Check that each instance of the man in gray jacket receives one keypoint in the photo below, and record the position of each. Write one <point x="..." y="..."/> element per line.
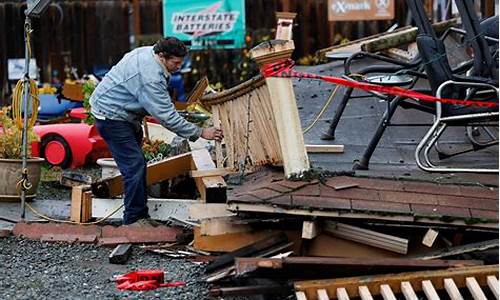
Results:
<point x="133" y="88"/>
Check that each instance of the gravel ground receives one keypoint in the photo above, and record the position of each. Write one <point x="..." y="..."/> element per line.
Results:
<point x="35" y="270"/>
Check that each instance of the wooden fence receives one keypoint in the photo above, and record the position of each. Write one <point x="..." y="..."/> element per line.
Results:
<point x="87" y="34"/>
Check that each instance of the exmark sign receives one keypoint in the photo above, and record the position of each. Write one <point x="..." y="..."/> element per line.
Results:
<point x="203" y="24"/>
<point x="360" y="10"/>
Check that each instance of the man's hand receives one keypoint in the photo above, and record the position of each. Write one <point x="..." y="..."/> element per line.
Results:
<point x="212" y="133"/>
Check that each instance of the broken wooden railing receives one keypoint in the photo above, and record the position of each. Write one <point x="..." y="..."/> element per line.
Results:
<point x="408" y="284"/>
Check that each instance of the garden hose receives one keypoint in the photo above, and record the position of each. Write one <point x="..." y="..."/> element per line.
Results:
<point x="18" y="93"/>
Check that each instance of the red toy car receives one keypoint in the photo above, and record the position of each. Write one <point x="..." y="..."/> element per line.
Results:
<point x="69" y="145"/>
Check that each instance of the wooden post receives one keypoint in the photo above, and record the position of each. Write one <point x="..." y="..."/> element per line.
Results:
<point x="286" y="115"/>
<point x="81" y="204"/>
<point x="284" y="30"/>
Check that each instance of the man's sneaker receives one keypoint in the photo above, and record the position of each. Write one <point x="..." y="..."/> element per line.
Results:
<point x="140" y="223"/>
<point x="153" y="222"/>
<point x="146" y="222"/>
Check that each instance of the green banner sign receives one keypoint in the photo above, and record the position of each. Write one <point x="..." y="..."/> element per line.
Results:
<point x="203" y="24"/>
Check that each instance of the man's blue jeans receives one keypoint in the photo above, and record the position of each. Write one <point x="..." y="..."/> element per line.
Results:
<point x="124" y="141"/>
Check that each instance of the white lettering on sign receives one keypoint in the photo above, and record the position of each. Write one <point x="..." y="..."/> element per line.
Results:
<point x="342" y="7"/>
<point x="205" y="22"/>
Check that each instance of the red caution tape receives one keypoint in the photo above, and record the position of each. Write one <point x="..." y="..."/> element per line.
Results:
<point x="284" y="69"/>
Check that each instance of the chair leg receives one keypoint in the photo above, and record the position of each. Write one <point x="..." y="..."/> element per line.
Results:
<point x="330" y="134"/>
<point x="441" y="128"/>
<point x="363" y="163"/>
<point x="429" y="141"/>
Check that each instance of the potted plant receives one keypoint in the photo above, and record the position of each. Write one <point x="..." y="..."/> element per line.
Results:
<point x="11" y="159"/>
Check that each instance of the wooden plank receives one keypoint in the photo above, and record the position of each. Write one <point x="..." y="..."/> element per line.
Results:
<point x="341" y="294"/>
<point x="86" y="206"/>
<point x="300" y="296"/>
<point x="212" y="188"/>
<point x="208" y="173"/>
<point x="325" y="148"/>
<point x="475" y="289"/>
<point x="368" y="237"/>
<point x="199" y="211"/>
<point x="407" y="291"/>
<point x="331" y="265"/>
<point x="429" y="290"/>
<point x="429" y="237"/>
<point x="452" y="290"/>
<point x="260" y="245"/>
<point x="364" y="293"/>
<point x="156" y="172"/>
<point x="230" y="241"/>
<point x="159" y="209"/>
<point x="223" y="225"/>
<point x="76" y="204"/>
<point x="386" y="292"/>
<point x="394" y="280"/>
<point x="322" y="295"/>
<point x="120" y="254"/>
<point x="310" y="229"/>
<point x="80" y="209"/>
<point x="493" y="284"/>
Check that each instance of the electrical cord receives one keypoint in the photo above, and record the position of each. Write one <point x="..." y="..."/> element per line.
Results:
<point x="323" y="109"/>
<point x="327" y="103"/>
<point x="45" y="217"/>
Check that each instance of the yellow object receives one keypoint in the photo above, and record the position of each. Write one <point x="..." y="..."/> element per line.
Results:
<point x="47" y="89"/>
<point x="17" y="100"/>
<point x="197" y="107"/>
<point x="18" y="94"/>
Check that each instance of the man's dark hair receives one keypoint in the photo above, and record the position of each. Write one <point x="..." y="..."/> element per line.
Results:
<point x="170" y="46"/>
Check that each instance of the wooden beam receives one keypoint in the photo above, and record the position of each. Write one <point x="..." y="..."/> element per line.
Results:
<point x="258" y="246"/>
<point x="394" y="280"/>
<point x="364" y="293"/>
<point x="331" y="265"/>
<point x="200" y="211"/>
<point x="493" y="284"/>
<point x="300" y="296"/>
<point x="284" y="107"/>
<point x="322" y="295"/>
<point x="386" y="292"/>
<point x="218" y="226"/>
<point x="166" y="169"/>
<point x="341" y="294"/>
<point x="325" y="148"/>
<point x="475" y="289"/>
<point x="452" y="290"/>
<point x="80" y="204"/>
<point x="207" y="173"/>
<point x="368" y="237"/>
<point x="310" y="229"/>
<point x="212" y="188"/>
<point x="429" y="290"/>
<point x="407" y="291"/>
<point x="429" y="237"/>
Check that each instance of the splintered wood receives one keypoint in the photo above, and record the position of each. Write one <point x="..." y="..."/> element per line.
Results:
<point x="241" y="110"/>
